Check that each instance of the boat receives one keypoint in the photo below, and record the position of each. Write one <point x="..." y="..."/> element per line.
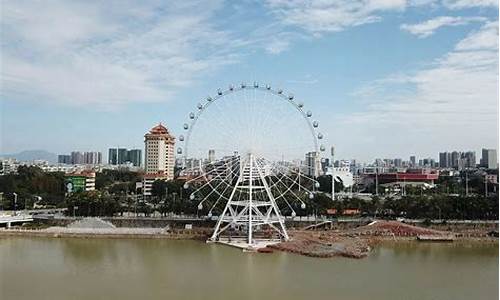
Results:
<point x="435" y="238"/>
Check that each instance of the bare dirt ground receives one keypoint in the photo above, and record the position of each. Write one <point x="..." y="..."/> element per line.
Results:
<point x="357" y="242"/>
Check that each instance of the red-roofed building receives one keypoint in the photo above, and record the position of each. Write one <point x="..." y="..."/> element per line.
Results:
<point x="159" y="156"/>
<point x="416" y="175"/>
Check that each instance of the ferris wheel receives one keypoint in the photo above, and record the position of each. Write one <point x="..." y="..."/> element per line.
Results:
<point x="250" y="156"/>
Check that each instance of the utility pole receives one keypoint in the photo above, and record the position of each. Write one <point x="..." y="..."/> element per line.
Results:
<point x="404" y="186"/>
<point x="466" y="184"/>
<point x="486" y="185"/>
<point x="333" y="172"/>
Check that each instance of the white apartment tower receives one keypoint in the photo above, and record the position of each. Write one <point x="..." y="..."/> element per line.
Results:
<point x="313" y="164"/>
<point x="159" y="152"/>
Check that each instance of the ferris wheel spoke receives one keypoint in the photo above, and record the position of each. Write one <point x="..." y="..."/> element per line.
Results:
<point x="209" y="183"/>
<point x="289" y="189"/>
<point x="301" y="174"/>
<point x="204" y="174"/>
<point x="220" y="196"/>
<point x="281" y="193"/>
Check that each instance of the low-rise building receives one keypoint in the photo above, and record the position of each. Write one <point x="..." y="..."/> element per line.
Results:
<point x="411" y="175"/>
<point x="80" y="182"/>
<point x="147" y="182"/>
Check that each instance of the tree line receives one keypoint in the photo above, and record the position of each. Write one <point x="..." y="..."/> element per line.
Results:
<point x="115" y="195"/>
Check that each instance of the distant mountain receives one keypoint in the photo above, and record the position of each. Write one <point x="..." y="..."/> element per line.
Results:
<point x="30" y="155"/>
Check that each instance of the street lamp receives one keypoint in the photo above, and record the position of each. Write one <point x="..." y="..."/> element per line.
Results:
<point x="15" y="203"/>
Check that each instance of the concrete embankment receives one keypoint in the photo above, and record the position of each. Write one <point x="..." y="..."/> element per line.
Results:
<point x="146" y="233"/>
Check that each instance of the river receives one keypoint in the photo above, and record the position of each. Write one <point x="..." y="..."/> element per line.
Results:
<point x="65" y="268"/>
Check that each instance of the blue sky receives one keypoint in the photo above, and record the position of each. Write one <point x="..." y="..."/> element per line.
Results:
<point x="386" y="78"/>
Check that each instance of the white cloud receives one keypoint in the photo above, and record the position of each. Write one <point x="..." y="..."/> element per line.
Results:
<point x="429" y="27"/>
<point x="277" y="46"/>
<point x="451" y="103"/>
<point x="107" y="54"/>
<point x="460" y="4"/>
<point x="483" y="39"/>
<point x="319" y="16"/>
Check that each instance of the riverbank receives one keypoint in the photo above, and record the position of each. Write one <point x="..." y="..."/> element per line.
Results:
<point x="352" y="242"/>
<point x="117" y="233"/>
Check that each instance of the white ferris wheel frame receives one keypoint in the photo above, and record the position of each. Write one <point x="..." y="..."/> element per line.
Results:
<point x="287" y="97"/>
<point x="251" y="174"/>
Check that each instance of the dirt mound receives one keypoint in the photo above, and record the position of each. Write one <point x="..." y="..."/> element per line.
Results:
<point x="397" y="229"/>
<point x="91" y="223"/>
<point x="325" y="245"/>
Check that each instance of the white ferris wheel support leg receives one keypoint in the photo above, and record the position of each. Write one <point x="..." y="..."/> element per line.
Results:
<point x="251" y="171"/>
<point x="274" y="207"/>
<point x="250" y="205"/>
<point x="217" y="230"/>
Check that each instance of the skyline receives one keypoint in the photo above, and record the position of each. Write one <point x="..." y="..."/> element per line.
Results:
<point x="375" y="75"/>
<point x="105" y="156"/>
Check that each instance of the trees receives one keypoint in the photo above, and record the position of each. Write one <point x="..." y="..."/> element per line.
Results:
<point x="325" y="184"/>
<point x="159" y="188"/>
<point x="92" y="203"/>
<point x="31" y="181"/>
<point x="108" y="178"/>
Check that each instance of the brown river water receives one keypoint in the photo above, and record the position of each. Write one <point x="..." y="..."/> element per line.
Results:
<point x="70" y="268"/>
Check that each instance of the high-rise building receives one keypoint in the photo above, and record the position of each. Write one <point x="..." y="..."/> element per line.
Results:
<point x="489" y="158"/>
<point x="77" y="158"/>
<point x="313" y="164"/>
<point x="445" y="160"/>
<point x="92" y="158"/>
<point x="428" y="162"/>
<point x="398" y="162"/>
<point x="80" y="158"/>
<point x="120" y="156"/>
<point x="211" y="155"/>
<point x="134" y="156"/>
<point x="413" y="161"/>
<point x="159" y="152"/>
<point x="159" y="160"/>
<point x="64" y="159"/>
<point x="457" y="160"/>
<point x="469" y="158"/>
<point x="455" y="157"/>
<point x="113" y="156"/>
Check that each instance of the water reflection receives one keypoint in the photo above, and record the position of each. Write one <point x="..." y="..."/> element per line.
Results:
<point x="153" y="269"/>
